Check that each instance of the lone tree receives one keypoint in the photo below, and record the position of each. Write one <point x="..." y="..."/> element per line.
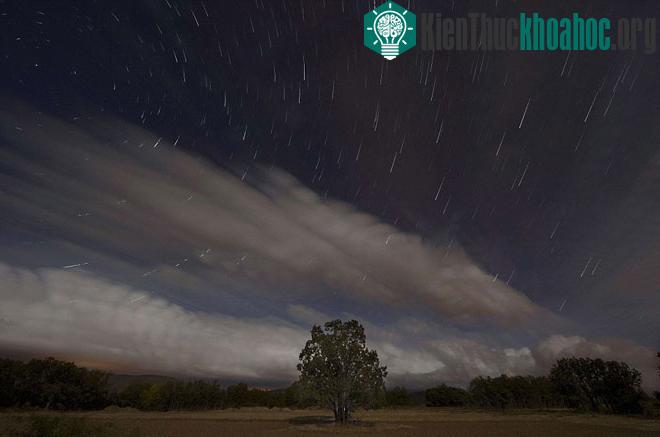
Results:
<point x="337" y="365"/>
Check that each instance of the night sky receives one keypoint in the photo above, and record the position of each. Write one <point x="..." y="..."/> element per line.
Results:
<point x="186" y="187"/>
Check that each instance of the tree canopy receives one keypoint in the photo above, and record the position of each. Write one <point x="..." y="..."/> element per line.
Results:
<point x="339" y="367"/>
<point x="598" y="385"/>
<point x="51" y="384"/>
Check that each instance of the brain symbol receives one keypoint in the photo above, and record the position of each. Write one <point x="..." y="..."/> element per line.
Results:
<point x="389" y="25"/>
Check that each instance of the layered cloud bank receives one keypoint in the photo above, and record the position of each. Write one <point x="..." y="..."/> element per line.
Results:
<point x="96" y="206"/>
<point x="121" y="192"/>
<point x="74" y="315"/>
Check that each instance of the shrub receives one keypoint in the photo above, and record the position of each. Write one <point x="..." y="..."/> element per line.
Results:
<point x="446" y="396"/>
<point x="397" y="397"/>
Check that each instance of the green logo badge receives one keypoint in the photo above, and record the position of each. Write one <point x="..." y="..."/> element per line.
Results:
<point x="390" y="30"/>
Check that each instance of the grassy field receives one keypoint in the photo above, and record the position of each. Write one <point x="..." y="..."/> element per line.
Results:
<point x="383" y="423"/>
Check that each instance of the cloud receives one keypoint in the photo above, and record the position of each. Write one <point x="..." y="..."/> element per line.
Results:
<point x="72" y="314"/>
<point x="119" y="191"/>
<point x="454" y="360"/>
<point x="561" y="346"/>
<point x="98" y="205"/>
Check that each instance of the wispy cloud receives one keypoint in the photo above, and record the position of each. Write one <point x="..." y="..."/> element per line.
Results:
<point x="118" y="190"/>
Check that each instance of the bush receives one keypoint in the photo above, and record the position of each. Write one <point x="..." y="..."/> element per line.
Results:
<point x="514" y="392"/>
<point x="650" y="407"/>
<point x="301" y="396"/>
<point x="446" y="396"/>
<point x="173" y="395"/>
<point x="52" y="384"/>
<point x="397" y="397"/>
<point x="203" y="395"/>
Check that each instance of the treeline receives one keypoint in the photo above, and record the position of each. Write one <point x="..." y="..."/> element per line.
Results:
<point x="500" y="392"/>
<point x="51" y="384"/>
<point x="205" y="395"/>
<point x="59" y="385"/>
<point x="577" y="383"/>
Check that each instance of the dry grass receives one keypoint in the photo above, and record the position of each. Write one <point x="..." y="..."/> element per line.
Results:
<point x="383" y="423"/>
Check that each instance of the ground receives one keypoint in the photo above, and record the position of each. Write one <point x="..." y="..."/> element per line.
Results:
<point x="384" y="423"/>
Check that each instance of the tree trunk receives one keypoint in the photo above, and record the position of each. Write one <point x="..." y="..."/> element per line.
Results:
<point x="341" y="411"/>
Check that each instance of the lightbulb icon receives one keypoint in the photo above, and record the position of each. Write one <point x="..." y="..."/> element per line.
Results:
<point x="390" y="28"/>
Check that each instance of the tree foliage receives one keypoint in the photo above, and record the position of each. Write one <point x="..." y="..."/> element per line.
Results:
<point x="209" y="395"/>
<point x="173" y="395"/>
<point x="597" y="385"/>
<point x="337" y="370"/>
<point x="51" y="384"/>
<point x="446" y="396"/>
<point x="338" y="366"/>
<point x="59" y="385"/>
<point x="397" y="397"/>
<point x="514" y="392"/>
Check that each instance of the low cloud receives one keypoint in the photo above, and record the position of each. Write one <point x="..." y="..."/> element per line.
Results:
<point x="74" y="315"/>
